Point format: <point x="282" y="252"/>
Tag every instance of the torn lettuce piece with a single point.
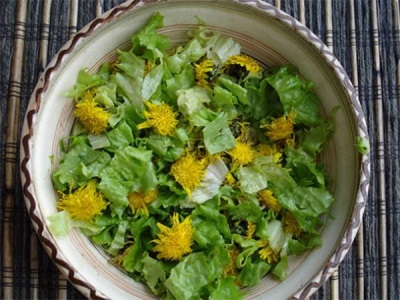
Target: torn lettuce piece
<point x="119" y="137"/>
<point x="362" y="145"/>
<point x="182" y="81"/>
<point x="296" y="94"/>
<point x="73" y="168"/>
<point x="225" y="101"/>
<point x="237" y="90"/>
<point x="151" y="82"/>
<point x="217" y="135"/>
<point x="170" y="148"/>
<point x="225" y="288"/>
<point x="131" y="169"/>
<point x="192" y="99"/>
<point x="222" y="49"/>
<point x="147" y="42"/>
<point x="307" y="204"/>
<point x="196" y="271"/>
<point x="304" y="168"/>
<point x="106" y="95"/>
<point x="252" y="272"/>
<point x="154" y="274"/>
<point x="84" y="82"/>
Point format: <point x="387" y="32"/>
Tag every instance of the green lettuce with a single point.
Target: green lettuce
<point x="195" y="272"/>
<point x="217" y="136"/>
<point x="131" y="169"/>
<point x="296" y="94"/>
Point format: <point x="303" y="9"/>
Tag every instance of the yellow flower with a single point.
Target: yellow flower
<point x="281" y="128"/>
<point x="229" y="179"/>
<point x="290" y="224"/>
<point x="138" y="201"/>
<point x="242" y="153"/>
<point x="188" y="171"/>
<point x="267" y="150"/>
<point x="245" y="61"/>
<point x="202" y="69"/>
<point x="161" y="117"/>
<point x="231" y="268"/>
<point x="85" y="203"/>
<point x="267" y="253"/>
<point x="147" y="67"/>
<point x="175" y="242"/>
<point x="251" y="229"/>
<point x="93" y="117"/>
<point x="267" y="198"/>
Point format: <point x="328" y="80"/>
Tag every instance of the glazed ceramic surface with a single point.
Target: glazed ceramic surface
<point x="264" y="32"/>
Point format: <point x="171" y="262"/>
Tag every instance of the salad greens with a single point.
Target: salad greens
<point x="193" y="166"/>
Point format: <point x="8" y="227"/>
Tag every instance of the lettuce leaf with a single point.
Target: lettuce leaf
<point x="225" y="288"/>
<point x="154" y="274"/>
<point x="304" y="169"/>
<point x="191" y="100"/>
<point x="211" y="227"/>
<point x="196" y="271"/>
<point x="148" y="42"/>
<point x="84" y="82"/>
<point x="152" y="81"/>
<point x="306" y="204"/>
<point x="79" y="165"/>
<point x="217" y="135"/>
<point x="129" y="79"/>
<point x="252" y="272"/>
<point x="119" y="137"/>
<point x="296" y="94"/>
<point x="131" y="169"/>
<point x="237" y="90"/>
<point x="182" y="81"/>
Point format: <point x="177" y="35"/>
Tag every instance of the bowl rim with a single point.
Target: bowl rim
<point x="45" y="78"/>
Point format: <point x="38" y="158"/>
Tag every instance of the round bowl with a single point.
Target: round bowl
<point x="265" y="33"/>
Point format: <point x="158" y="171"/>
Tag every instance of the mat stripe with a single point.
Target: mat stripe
<point x="43" y="47"/>
<point x="380" y="152"/>
<point x="354" y="77"/>
<point x="334" y="279"/>
<point x="11" y="142"/>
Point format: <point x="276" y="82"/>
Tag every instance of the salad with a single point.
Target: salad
<point x="193" y="166"/>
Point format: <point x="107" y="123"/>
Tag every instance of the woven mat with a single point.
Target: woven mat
<point x="365" y="37"/>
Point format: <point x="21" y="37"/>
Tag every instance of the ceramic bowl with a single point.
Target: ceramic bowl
<point x="264" y="32"/>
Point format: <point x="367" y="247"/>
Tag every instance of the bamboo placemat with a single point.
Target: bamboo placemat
<point x="363" y="34"/>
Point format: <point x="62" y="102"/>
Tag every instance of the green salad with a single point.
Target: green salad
<point x="193" y="166"/>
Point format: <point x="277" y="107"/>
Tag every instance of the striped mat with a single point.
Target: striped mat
<point x="363" y="34"/>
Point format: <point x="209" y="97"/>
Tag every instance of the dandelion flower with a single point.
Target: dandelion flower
<point x="202" y="69"/>
<point x="242" y="153"/>
<point x="85" y="203"/>
<point x="138" y="201"/>
<point x="267" y="150"/>
<point x="161" y="117"/>
<point x="267" y="198"/>
<point x="188" y="171"/>
<point x="251" y="229"/>
<point x="281" y="128"/>
<point x="229" y="179"/>
<point x="245" y="61"/>
<point x="93" y="117"/>
<point x="231" y="268"/>
<point x="290" y="224"/>
<point x="174" y="242"/>
<point x="267" y="253"/>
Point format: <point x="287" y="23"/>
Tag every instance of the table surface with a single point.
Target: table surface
<point x="363" y="34"/>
